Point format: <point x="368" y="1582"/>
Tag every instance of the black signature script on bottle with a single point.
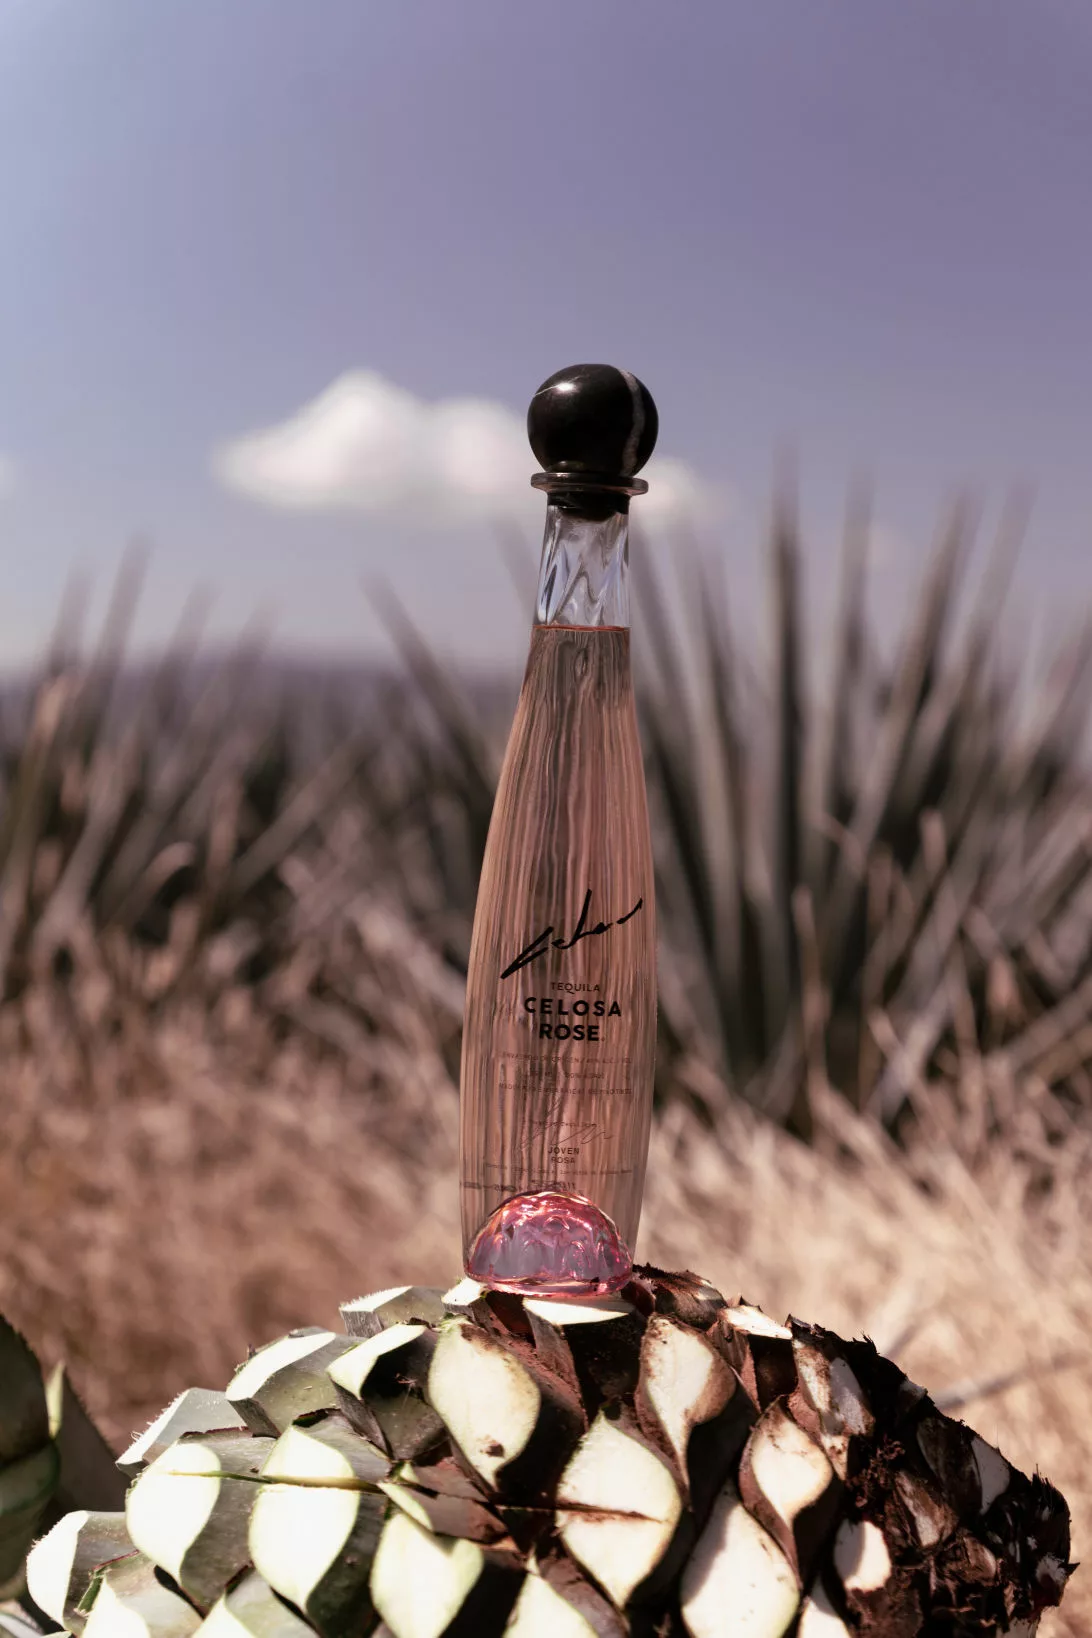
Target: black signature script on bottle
<point x="540" y="945"/>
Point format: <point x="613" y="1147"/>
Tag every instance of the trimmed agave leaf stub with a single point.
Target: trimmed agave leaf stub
<point x="329" y="1448"/>
<point x="189" y="1510"/>
<point x="948" y="1451"/>
<point x="993" y="1471"/>
<point x="603" y="1339"/>
<point x="565" y="1332"/>
<point x="684" y="1382"/>
<point x="588" y="1311"/>
<point x="819" y="1618"/>
<point x="572" y="1592"/>
<point x="463" y="1297"/>
<point x="314" y="1525"/>
<point x="830" y="1401"/>
<point x="618" y="1508"/>
<point x="512" y="1426"/>
<point x="60" y="1567"/>
<point x="683" y="1296"/>
<point x="879" y="1593"/>
<point x="425" y="1585"/>
<point x="442" y="1476"/>
<point x="759" y="1351"/>
<point x="788" y="1484"/>
<point x="132" y="1601"/>
<point x="251" y="1609"/>
<point x="197" y="1410"/>
<point x="286" y="1379"/>
<point x="380" y="1384"/>
<point x="738" y="1582"/>
<point x="917" y="1513"/>
<point x="456" y="1516"/>
<point x="542" y="1613"/>
<point x="553" y="1352"/>
<point x="400" y="1305"/>
<point x="862" y="1557"/>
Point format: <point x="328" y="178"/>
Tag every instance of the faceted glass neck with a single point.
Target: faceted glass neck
<point x="582" y="579"/>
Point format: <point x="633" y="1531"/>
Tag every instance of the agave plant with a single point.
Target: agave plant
<point x="878" y="884"/>
<point x="904" y="873"/>
<point x="195" y="828"/>
<point x="862" y="883"/>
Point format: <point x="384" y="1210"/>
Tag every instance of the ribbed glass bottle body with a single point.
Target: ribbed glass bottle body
<point x="560" y="1026"/>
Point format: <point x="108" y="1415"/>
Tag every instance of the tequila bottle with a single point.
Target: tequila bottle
<point x="559" y="1040"/>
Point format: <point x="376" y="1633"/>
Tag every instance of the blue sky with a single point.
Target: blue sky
<point x="862" y="228"/>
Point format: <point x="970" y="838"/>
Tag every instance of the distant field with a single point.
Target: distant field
<point x="235" y="905"/>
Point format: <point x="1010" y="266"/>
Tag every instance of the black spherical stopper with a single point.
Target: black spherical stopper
<point x="594" y="424"/>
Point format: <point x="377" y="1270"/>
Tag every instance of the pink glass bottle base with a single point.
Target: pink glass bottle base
<point x="550" y="1244"/>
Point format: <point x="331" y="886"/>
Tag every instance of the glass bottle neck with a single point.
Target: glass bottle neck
<point x="582" y="578"/>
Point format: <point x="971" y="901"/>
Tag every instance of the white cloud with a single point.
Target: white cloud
<point x="366" y="445"/>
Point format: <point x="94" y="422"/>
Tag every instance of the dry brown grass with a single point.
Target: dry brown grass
<point x="231" y="994"/>
<point x="175" y="1191"/>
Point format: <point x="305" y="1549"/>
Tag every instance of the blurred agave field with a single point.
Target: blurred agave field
<point x="235" y="911"/>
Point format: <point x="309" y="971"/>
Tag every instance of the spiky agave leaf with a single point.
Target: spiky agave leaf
<point x="89" y="1474"/>
<point x="24" y="1413"/>
<point x="26" y="1489"/>
<point x="14" y="1622"/>
<point x="30" y="1464"/>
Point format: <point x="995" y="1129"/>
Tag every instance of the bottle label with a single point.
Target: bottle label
<point x="562" y="1033"/>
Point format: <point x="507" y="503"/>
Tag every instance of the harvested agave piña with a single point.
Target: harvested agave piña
<point x="474" y="1465"/>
